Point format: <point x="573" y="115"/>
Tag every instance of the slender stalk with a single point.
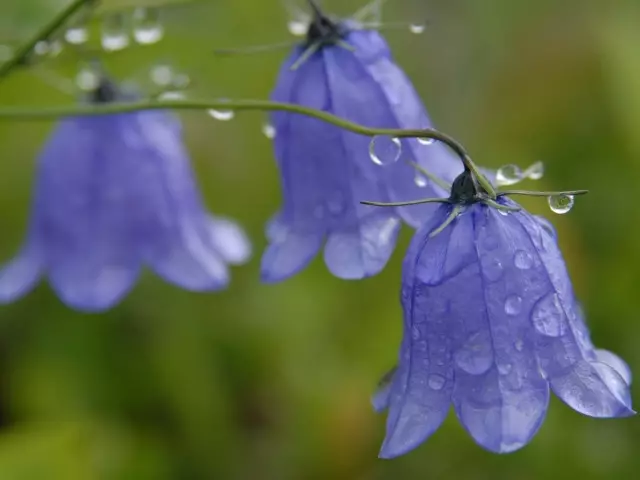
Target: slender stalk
<point x="54" y="24"/>
<point x="26" y="113"/>
<point x="407" y="203"/>
<point x="541" y="194"/>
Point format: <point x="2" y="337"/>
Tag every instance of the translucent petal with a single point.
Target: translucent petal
<point x="499" y="395"/>
<point x="288" y="256"/>
<point x="421" y="389"/>
<point x="230" y="240"/>
<point x="364" y="252"/>
<point x="20" y="275"/>
<point x="369" y="88"/>
<point x="566" y="355"/>
<point x="594" y="389"/>
<point x="615" y="362"/>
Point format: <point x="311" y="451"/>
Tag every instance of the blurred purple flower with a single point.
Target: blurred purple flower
<point x="326" y="171"/>
<point x="113" y="193"/>
<point x="490" y="323"/>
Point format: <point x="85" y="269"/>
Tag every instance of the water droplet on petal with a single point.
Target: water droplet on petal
<point x="147" y="28"/>
<point x="425" y="141"/>
<point x="161" y="75"/>
<point x="504" y="368"/>
<point x="436" y="382"/>
<point x="535" y="171"/>
<point x="417" y="28"/>
<point x="548" y="316"/>
<point x="561" y="204"/>
<point x="513" y="305"/>
<point x="420" y="180"/>
<point x="298" y="27"/>
<point x="492" y="268"/>
<point x="385" y="150"/>
<point x="508" y="175"/>
<point x="269" y="130"/>
<point x="523" y="260"/>
<point x="476" y="355"/>
<point x="114" y="35"/>
<point x="519" y="345"/>
<point x="221" y="114"/>
<point x="77" y="35"/>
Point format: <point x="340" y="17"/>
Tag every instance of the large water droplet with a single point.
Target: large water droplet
<point x="436" y="382"/>
<point x="523" y="260"/>
<point x="420" y="180"/>
<point x="508" y="175"/>
<point x="492" y="268"/>
<point x="385" y="150"/>
<point x="147" y="28"/>
<point x="114" y="35"/>
<point x="88" y="78"/>
<point x="298" y="27"/>
<point x="476" y="355"/>
<point x="426" y="141"/>
<point x="221" y="114"/>
<point x="548" y="316"/>
<point x="535" y="171"/>
<point x="269" y="130"/>
<point x="161" y="75"/>
<point x="561" y="203"/>
<point x="77" y="35"/>
<point x="513" y="305"/>
<point x="417" y="28"/>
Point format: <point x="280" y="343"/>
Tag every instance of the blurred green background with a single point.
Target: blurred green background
<point x="273" y="381"/>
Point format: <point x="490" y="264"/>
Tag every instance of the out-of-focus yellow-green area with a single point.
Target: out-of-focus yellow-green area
<point x="273" y="381"/>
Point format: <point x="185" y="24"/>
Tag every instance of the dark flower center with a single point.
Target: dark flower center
<point x="465" y="190"/>
<point x="324" y="30"/>
<point x="105" y="92"/>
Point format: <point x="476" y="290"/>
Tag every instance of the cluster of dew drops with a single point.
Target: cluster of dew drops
<point x="143" y="26"/>
<point x="385" y="151"/>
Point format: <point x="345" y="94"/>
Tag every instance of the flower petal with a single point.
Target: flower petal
<point x="365" y="251"/>
<point x="290" y="254"/>
<point x="421" y="389"/>
<point x="500" y="396"/>
<point x="230" y="240"/>
<point x="564" y="351"/>
<point x="81" y="212"/>
<point x="20" y="275"/>
<point x="369" y="88"/>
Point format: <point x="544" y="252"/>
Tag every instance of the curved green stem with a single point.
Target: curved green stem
<point x="262" y="105"/>
<point x="407" y="203"/>
<point x="541" y="194"/>
<point x="54" y="24"/>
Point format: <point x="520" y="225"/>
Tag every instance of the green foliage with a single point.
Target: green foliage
<point x="273" y="382"/>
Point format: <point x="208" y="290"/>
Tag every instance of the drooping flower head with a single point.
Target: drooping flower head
<point x="114" y="193"/>
<point x="491" y="326"/>
<point x="346" y="69"/>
